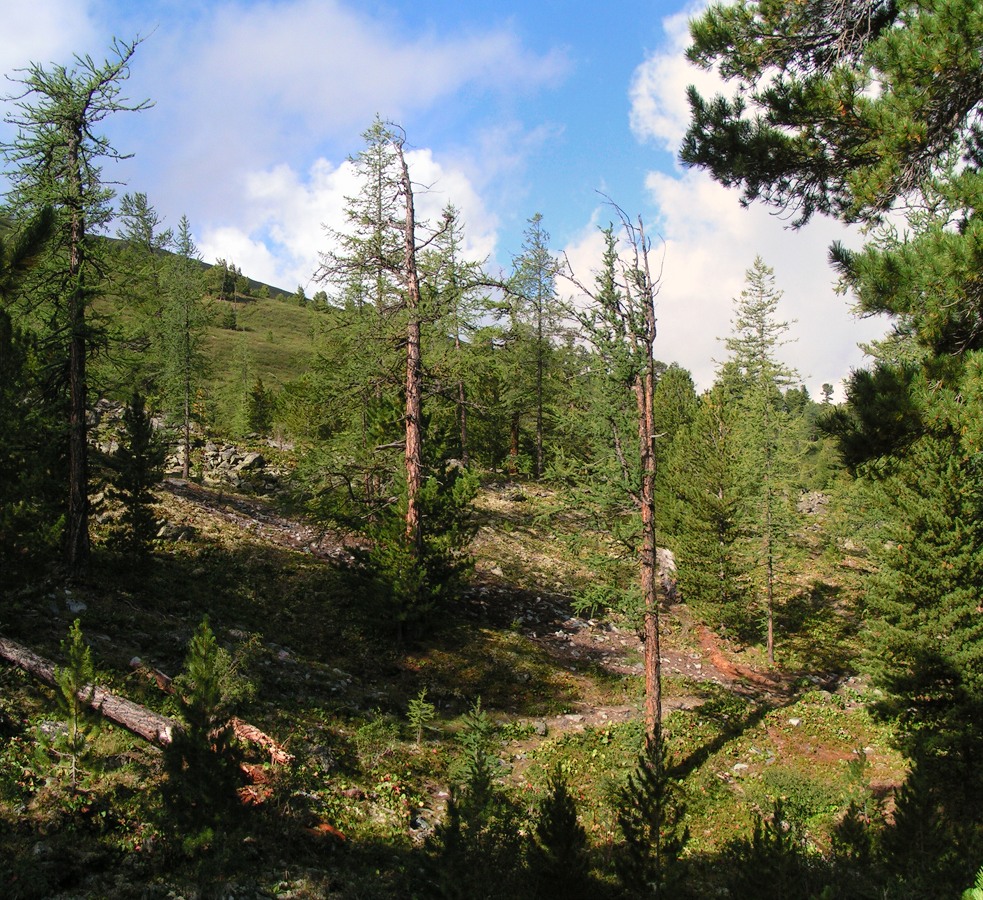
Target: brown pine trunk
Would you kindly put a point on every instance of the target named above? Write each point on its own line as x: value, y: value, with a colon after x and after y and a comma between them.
x: 645, y: 392
x: 414, y: 370
x: 514, y: 447
x: 77, y: 526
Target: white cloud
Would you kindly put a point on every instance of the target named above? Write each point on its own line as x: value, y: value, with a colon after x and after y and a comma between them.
x: 287, y: 217
x: 252, y: 257
x: 241, y: 86
x: 711, y: 242
x: 316, y: 61
x: 253, y: 98
x: 43, y: 31
x: 659, y: 109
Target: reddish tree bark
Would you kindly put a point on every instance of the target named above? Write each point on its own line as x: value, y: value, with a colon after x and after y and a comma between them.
x: 414, y: 369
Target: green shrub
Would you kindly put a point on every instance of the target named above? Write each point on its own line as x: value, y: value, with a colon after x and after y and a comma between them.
x: 202, y: 762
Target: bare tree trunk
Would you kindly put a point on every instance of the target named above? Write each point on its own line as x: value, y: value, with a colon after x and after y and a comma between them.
x: 514, y: 446
x: 132, y: 716
x: 186, y: 451
x: 414, y: 370
x: 540, y: 366
x: 648, y: 563
x: 77, y: 533
x: 645, y: 393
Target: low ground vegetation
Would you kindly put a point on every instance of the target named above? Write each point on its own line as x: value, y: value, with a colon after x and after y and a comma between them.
x: 535, y: 713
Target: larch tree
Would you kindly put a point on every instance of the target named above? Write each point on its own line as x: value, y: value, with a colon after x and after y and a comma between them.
x: 620, y: 323
x: 452, y: 307
x: 140, y: 277
x: 30, y: 431
x: 56, y: 161
x: 701, y: 491
x: 756, y: 378
x: 360, y: 364
x: 184, y: 319
x: 378, y: 265
x: 533, y: 314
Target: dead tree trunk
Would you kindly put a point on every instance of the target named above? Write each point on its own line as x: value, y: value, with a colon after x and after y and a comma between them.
x: 136, y: 719
x: 144, y: 723
x: 414, y: 366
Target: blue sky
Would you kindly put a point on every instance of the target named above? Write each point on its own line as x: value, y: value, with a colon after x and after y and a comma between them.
x: 510, y: 108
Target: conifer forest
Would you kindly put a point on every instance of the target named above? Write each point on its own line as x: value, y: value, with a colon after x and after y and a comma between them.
x: 439, y: 582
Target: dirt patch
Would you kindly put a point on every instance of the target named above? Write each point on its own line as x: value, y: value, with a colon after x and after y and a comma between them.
x: 584, y: 647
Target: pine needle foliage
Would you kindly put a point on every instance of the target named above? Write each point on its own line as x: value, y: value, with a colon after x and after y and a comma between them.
x: 75, y: 689
x: 976, y: 891
x: 650, y: 818
x: 138, y: 467
x: 420, y: 713
x: 407, y: 586
x: 476, y: 852
x: 773, y: 863
x: 201, y: 762
x: 557, y: 853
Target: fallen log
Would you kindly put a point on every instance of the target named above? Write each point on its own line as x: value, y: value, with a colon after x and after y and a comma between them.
x: 246, y: 732
x: 136, y: 719
x: 243, y: 730
x: 158, y: 729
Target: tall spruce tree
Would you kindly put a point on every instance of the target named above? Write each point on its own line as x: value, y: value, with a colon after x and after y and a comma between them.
x: 55, y: 160
x: 702, y: 490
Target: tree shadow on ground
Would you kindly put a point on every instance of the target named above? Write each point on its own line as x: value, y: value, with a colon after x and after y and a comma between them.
x: 818, y: 629
x: 732, y: 716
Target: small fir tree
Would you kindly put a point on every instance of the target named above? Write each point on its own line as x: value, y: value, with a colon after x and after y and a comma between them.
x: 75, y: 689
x: 476, y: 851
x: 138, y: 467
x: 420, y: 714
x: 201, y: 762
x: 262, y: 404
x: 557, y: 853
x: 772, y: 864
x: 650, y: 814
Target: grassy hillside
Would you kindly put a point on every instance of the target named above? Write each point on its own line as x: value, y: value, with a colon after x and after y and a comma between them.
x: 273, y: 338
x: 264, y: 334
